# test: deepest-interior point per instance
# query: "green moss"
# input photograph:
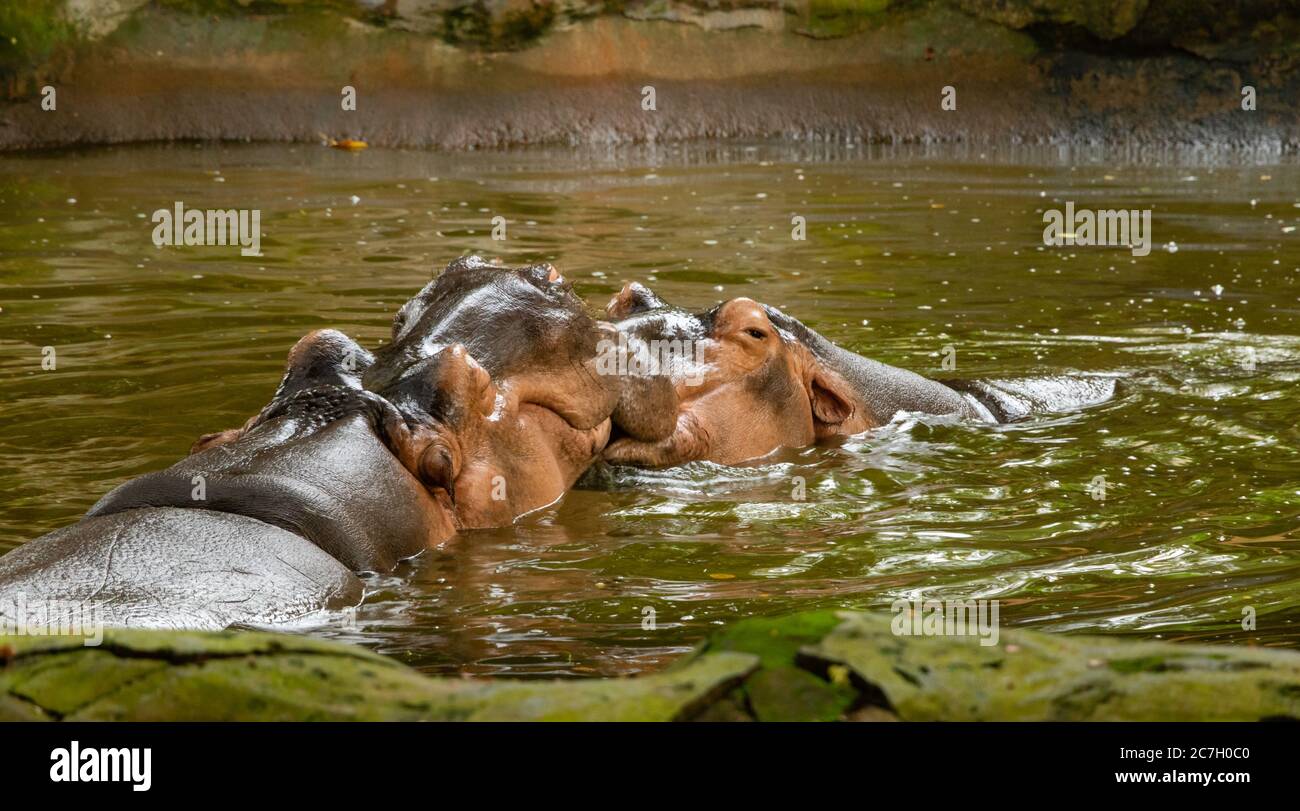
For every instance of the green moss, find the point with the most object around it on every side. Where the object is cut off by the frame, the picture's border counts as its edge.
(1033, 676)
(782, 691)
(244, 676)
(792, 694)
(62, 684)
(36, 42)
(1147, 664)
(826, 19)
(13, 708)
(815, 666)
(776, 641)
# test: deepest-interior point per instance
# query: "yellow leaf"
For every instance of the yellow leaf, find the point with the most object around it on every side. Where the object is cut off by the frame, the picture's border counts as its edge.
(350, 144)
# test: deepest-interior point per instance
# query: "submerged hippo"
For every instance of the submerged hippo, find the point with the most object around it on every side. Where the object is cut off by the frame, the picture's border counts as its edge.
(496, 392)
(495, 371)
(265, 526)
(755, 379)
(485, 406)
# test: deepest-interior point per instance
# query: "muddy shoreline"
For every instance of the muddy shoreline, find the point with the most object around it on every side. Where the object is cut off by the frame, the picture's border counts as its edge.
(166, 74)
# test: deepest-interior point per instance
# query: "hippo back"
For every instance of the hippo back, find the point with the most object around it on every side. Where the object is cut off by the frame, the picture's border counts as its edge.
(1010, 399)
(169, 568)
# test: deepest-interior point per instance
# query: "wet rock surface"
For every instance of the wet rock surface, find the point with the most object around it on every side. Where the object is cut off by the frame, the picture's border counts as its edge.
(804, 667)
(246, 676)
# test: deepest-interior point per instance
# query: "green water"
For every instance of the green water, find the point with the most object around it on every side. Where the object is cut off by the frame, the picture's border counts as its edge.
(908, 251)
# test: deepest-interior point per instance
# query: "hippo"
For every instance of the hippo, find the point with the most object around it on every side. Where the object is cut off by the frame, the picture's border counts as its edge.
(495, 370)
(265, 525)
(484, 406)
(757, 379)
(496, 392)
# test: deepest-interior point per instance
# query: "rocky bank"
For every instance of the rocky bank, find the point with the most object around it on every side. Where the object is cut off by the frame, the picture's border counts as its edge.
(819, 666)
(485, 73)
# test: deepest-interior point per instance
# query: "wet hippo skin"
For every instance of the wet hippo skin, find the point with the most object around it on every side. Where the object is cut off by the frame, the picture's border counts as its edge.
(173, 568)
(884, 390)
(495, 372)
(260, 525)
(333, 477)
(494, 395)
(338, 487)
(316, 462)
(758, 379)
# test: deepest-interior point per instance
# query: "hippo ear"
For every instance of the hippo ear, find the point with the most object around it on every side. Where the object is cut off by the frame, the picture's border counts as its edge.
(632, 299)
(324, 357)
(831, 397)
(542, 274)
(471, 397)
(469, 381)
(215, 439)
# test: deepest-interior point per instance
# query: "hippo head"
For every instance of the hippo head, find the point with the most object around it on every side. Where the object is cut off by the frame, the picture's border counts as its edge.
(493, 371)
(318, 461)
(744, 384)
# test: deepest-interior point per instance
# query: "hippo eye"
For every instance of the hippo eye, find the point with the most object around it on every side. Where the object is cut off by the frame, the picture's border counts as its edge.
(754, 332)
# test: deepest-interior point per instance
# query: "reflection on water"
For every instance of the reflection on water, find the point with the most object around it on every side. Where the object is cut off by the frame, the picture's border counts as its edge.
(908, 252)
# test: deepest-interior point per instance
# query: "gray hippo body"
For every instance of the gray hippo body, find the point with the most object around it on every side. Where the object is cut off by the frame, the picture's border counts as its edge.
(886, 390)
(1011, 399)
(267, 527)
(168, 567)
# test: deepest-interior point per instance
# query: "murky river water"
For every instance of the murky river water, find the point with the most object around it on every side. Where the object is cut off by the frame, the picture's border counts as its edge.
(907, 252)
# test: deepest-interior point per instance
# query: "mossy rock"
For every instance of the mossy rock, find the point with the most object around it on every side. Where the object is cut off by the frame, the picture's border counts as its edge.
(783, 691)
(1035, 676)
(37, 41)
(245, 676)
(813, 666)
(1106, 19)
(825, 19)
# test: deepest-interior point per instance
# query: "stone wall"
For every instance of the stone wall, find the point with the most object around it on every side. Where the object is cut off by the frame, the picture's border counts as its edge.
(479, 73)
